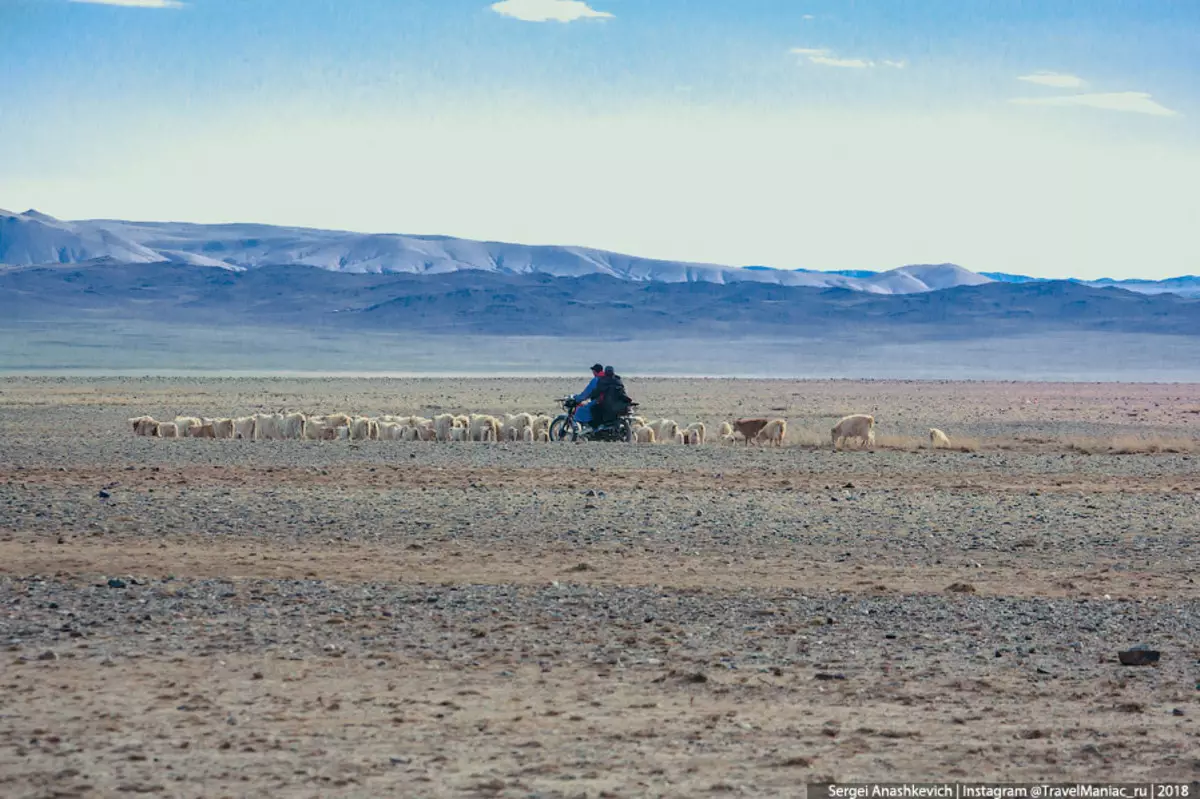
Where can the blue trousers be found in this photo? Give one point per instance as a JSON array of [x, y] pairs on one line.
[[583, 414]]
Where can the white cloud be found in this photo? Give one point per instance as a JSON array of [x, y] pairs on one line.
[[808, 16], [135, 3], [824, 57], [548, 10], [1129, 102], [1056, 79], [849, 63]]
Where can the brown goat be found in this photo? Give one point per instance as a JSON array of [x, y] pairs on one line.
[[750, 428]]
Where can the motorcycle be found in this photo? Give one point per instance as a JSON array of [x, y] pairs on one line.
[[566, 428]]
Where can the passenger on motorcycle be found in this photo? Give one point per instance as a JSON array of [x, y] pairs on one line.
[[608, 397], [583, 414]]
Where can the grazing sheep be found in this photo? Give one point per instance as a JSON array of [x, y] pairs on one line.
[[427, 431], [315, 427], [729, 438], [516, 424], [462, 420], [541, 427], [168, 430], [360, 428], [860, 426], [750, 428], [458, 433], [643, 435], [336, 420], [293, 426], [342, 432], [201, 431], [638, 421], [725, 430], [774, 432], [665, 430], [185, 423], [442, 424], [243, 428], [268, 426], [937, 438], [144, 426], [484, 428], [389, 431], [697, 431], [223, 428]]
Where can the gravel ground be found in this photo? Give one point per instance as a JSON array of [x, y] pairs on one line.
[[223, 618]]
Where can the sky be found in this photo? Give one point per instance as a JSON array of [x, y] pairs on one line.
[[1056, 139]]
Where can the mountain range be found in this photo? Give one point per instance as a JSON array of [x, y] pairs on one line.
[[33, 238]]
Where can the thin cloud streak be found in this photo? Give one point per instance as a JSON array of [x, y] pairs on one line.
[[548, 10], [1056, 80], [135, 3], [1127, 102], [824, 57]]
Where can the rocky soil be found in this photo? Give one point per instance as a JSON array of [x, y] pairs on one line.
[[225, 618]]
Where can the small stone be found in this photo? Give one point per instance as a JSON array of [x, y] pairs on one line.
[[103, 494], [113, 582], [1138, 656], [48, 655], [961, 588], [1177, 712], [823, 675]]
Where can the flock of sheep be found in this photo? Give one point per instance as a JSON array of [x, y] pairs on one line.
[[482, 427]]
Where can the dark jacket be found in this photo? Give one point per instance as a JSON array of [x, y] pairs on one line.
[[609, 396]]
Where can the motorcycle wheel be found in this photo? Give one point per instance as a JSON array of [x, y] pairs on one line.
[[625, 431], [564, 429]]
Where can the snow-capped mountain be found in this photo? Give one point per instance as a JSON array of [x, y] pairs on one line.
[[35, 238]]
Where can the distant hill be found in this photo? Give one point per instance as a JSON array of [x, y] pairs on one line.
[[32, 238], [595, 305]]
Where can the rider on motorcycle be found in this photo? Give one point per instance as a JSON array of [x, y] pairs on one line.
[[583, 414], [608, 398]]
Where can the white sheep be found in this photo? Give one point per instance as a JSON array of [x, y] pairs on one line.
[[292, 426], [774, 432], [144, 426], [168, 430], [484, 428], [643, 435], [360, 428], [665, 430], [859, 426], [243, 427], [223, 428], [937, 438], [443, 423], [696, 432], [185, 423]]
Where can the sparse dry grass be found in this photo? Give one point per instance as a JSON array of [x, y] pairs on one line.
[[1132, 445]]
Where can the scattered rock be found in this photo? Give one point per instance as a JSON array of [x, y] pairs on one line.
[[103, 494], [1138, 657], [48, 655], [824, 675], [114, 582], [961, 588]]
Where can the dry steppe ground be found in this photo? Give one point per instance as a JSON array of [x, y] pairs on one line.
[[326, 619]]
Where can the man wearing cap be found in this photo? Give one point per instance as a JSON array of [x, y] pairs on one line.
[[583, 414]]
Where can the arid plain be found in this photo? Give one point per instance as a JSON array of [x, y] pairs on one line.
[[290, 618]]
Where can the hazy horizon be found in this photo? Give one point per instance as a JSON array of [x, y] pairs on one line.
[[1053, 141]]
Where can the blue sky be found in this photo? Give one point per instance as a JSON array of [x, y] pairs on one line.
[[1053, 138]]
